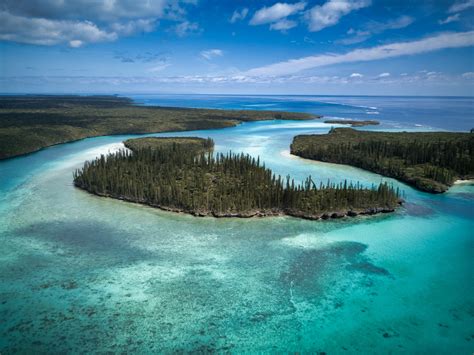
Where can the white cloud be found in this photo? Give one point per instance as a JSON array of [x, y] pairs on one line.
[[236, 79], [186, 28], [107, 10], [75, 43], [239, 15], [49, 32], [329, 14], [384, 75], [131, 27], [429, 44], [276, 12], [468, 75], [356, 75], [78, 22], [461, 6], [449, 19], [211, 53], [283, 25]]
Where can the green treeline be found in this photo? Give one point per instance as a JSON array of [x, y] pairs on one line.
[[430, 161], [29, 123], [172, 176]]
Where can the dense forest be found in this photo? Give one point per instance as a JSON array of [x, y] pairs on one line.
[[31, 122], [168, 174], [429, 161]]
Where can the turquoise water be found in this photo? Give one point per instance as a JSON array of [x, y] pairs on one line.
[[86, 274]]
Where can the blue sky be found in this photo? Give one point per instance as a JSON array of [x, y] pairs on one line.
[[350, 47]]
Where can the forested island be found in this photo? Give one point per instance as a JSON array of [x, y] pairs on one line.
[[354, 123], [429, 161], [29, 123], [183, 175]]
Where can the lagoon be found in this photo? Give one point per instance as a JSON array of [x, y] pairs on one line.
[[81, 273]]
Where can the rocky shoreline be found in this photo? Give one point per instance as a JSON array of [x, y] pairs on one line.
[[257, 213]]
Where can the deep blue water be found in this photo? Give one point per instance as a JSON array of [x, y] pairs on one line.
[[427, 113], [83, 274]]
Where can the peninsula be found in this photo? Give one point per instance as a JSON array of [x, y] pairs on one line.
[[30, 123], [428, 161], [183, 175]]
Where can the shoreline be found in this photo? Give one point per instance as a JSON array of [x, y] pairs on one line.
[[370, 211], [464, 182], [121, 116], [421, 174]]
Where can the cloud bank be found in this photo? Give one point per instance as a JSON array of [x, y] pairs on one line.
[[429, 44], [78, 22]]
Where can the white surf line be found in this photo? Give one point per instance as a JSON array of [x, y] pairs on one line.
[[464, 182]]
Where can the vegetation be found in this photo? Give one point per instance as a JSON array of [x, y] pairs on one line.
[[354, 123], [429, 161], [29, 123], [193, 144], [182, 174]]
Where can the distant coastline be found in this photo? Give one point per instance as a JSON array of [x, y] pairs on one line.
[[354, 123], [32, 122]]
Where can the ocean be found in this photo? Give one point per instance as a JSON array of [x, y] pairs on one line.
[[81, 273]]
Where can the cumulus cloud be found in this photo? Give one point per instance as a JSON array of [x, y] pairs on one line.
[[461, 6], [131, 27], [468, 75], [449, 19], [276, 12], [356, 75], [211, 53], [91, 10], [49, 32], [75, 43], [429, 44], [78, 22], [239, 15], [329, 14], [384, 75], [283, 25]]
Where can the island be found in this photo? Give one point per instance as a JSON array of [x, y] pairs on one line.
[[428, 161], [29, 123], [354, 123], [182, 174]]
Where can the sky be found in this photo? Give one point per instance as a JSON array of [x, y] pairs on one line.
[[321, 47]]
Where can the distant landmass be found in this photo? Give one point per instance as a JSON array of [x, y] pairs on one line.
[[182, 175], [428, 161], [31, 122], [354, 123]]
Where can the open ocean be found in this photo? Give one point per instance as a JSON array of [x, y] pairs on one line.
[[83, 274]]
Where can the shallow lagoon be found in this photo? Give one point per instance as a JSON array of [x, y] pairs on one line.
[[81, 273]]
